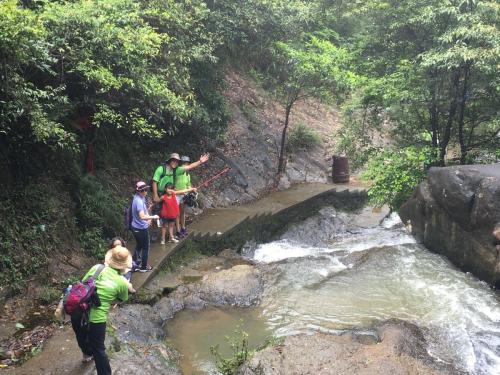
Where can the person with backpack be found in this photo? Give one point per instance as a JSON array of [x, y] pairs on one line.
[[182, 183], [164, 174], [90, 325], [141, 220]]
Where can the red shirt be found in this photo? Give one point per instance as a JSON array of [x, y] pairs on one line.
[[170, 207]]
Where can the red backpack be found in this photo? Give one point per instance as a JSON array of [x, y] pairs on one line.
[[80, 296]]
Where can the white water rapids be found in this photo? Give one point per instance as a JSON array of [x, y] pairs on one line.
[[379, 273]]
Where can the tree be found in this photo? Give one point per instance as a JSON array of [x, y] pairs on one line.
[[432, 72], [317, 68]]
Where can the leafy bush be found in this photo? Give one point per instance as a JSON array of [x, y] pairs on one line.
[[395, 174], [99, 207], [239, 347], [93, 243], [302, 138], [30, 220]]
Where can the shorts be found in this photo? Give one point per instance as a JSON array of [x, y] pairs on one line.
[[179, 198], [166, 220]]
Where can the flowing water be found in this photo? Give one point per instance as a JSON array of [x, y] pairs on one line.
[[354, 280]]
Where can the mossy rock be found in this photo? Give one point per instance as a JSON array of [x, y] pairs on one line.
[[145, 296]]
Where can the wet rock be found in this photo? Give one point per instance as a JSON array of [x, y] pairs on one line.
[[142, 360], [240, 285], [401, 350], [137, 323], [190, 276], [168, 306], [319, 229], [454, 212]]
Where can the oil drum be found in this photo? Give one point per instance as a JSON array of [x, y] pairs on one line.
[[340, 169]]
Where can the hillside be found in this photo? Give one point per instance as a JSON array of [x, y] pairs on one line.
[[249, 148]]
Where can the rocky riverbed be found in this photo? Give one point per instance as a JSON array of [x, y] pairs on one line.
[[346, 294]]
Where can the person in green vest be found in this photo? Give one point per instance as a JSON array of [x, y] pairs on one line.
[[110, 286], [182, 183], [164, 174]]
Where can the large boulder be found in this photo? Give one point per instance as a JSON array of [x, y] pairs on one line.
[[454, 213], [240, 285]]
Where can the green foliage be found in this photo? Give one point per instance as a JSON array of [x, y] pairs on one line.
[[93, 243], [99, 207], [30, 221], [395, 174], [429, 68], [99, 214], [238, 343], [311, 68], [302, 138], [49, 294]]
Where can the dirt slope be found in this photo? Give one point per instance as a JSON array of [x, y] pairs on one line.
[[252, 143]]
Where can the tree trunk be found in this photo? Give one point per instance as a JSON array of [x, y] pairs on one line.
[[451, 115], [434, 116], [281, 161], [461, 115]]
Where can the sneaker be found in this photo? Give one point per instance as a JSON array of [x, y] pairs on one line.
[[184, 232], [173, 240], [162, 241], [87, 358], [142, 270], [178, 235]]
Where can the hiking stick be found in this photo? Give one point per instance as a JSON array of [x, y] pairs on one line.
[[214, 177]]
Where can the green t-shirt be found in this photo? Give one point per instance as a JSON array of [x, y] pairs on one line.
[[182, 181], [168, 176], [111, 286]]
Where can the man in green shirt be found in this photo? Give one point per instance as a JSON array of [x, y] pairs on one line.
[[164, 174], [182, 182], [110, 286]]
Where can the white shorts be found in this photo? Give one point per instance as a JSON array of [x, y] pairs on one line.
[[179, 198]]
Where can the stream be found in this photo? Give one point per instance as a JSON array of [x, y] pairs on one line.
[[331, 278]]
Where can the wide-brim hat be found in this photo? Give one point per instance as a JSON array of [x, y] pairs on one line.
[[174, 156], [118, 258], [185, 159]]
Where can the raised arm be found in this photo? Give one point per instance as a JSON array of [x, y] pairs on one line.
[[203, 159]]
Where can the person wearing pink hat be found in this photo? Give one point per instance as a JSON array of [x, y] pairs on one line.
[[141, 219]]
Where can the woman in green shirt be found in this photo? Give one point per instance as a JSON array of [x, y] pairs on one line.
[[111, 286]]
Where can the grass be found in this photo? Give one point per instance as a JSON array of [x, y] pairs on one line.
[[302, 138]]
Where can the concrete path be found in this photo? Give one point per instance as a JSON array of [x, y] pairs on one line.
[[61, 355], [221, 220]]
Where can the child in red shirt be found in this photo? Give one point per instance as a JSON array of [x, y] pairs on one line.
[[170, 211]]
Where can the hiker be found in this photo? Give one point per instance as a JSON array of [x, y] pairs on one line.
[[170, 211], [165, 173], [140, 226], [182, 182], [110, 286], [118, 241]]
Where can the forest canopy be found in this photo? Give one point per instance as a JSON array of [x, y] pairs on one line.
[[422, 73]]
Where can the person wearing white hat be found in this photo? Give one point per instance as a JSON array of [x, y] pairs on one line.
[[110, 286], [141, 219]]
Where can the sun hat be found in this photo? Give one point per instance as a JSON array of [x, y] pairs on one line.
[[118, 258], [185, 159], [141, 185], [174, 156]]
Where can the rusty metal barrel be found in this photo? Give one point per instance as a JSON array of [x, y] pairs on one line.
[[340, 169]]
